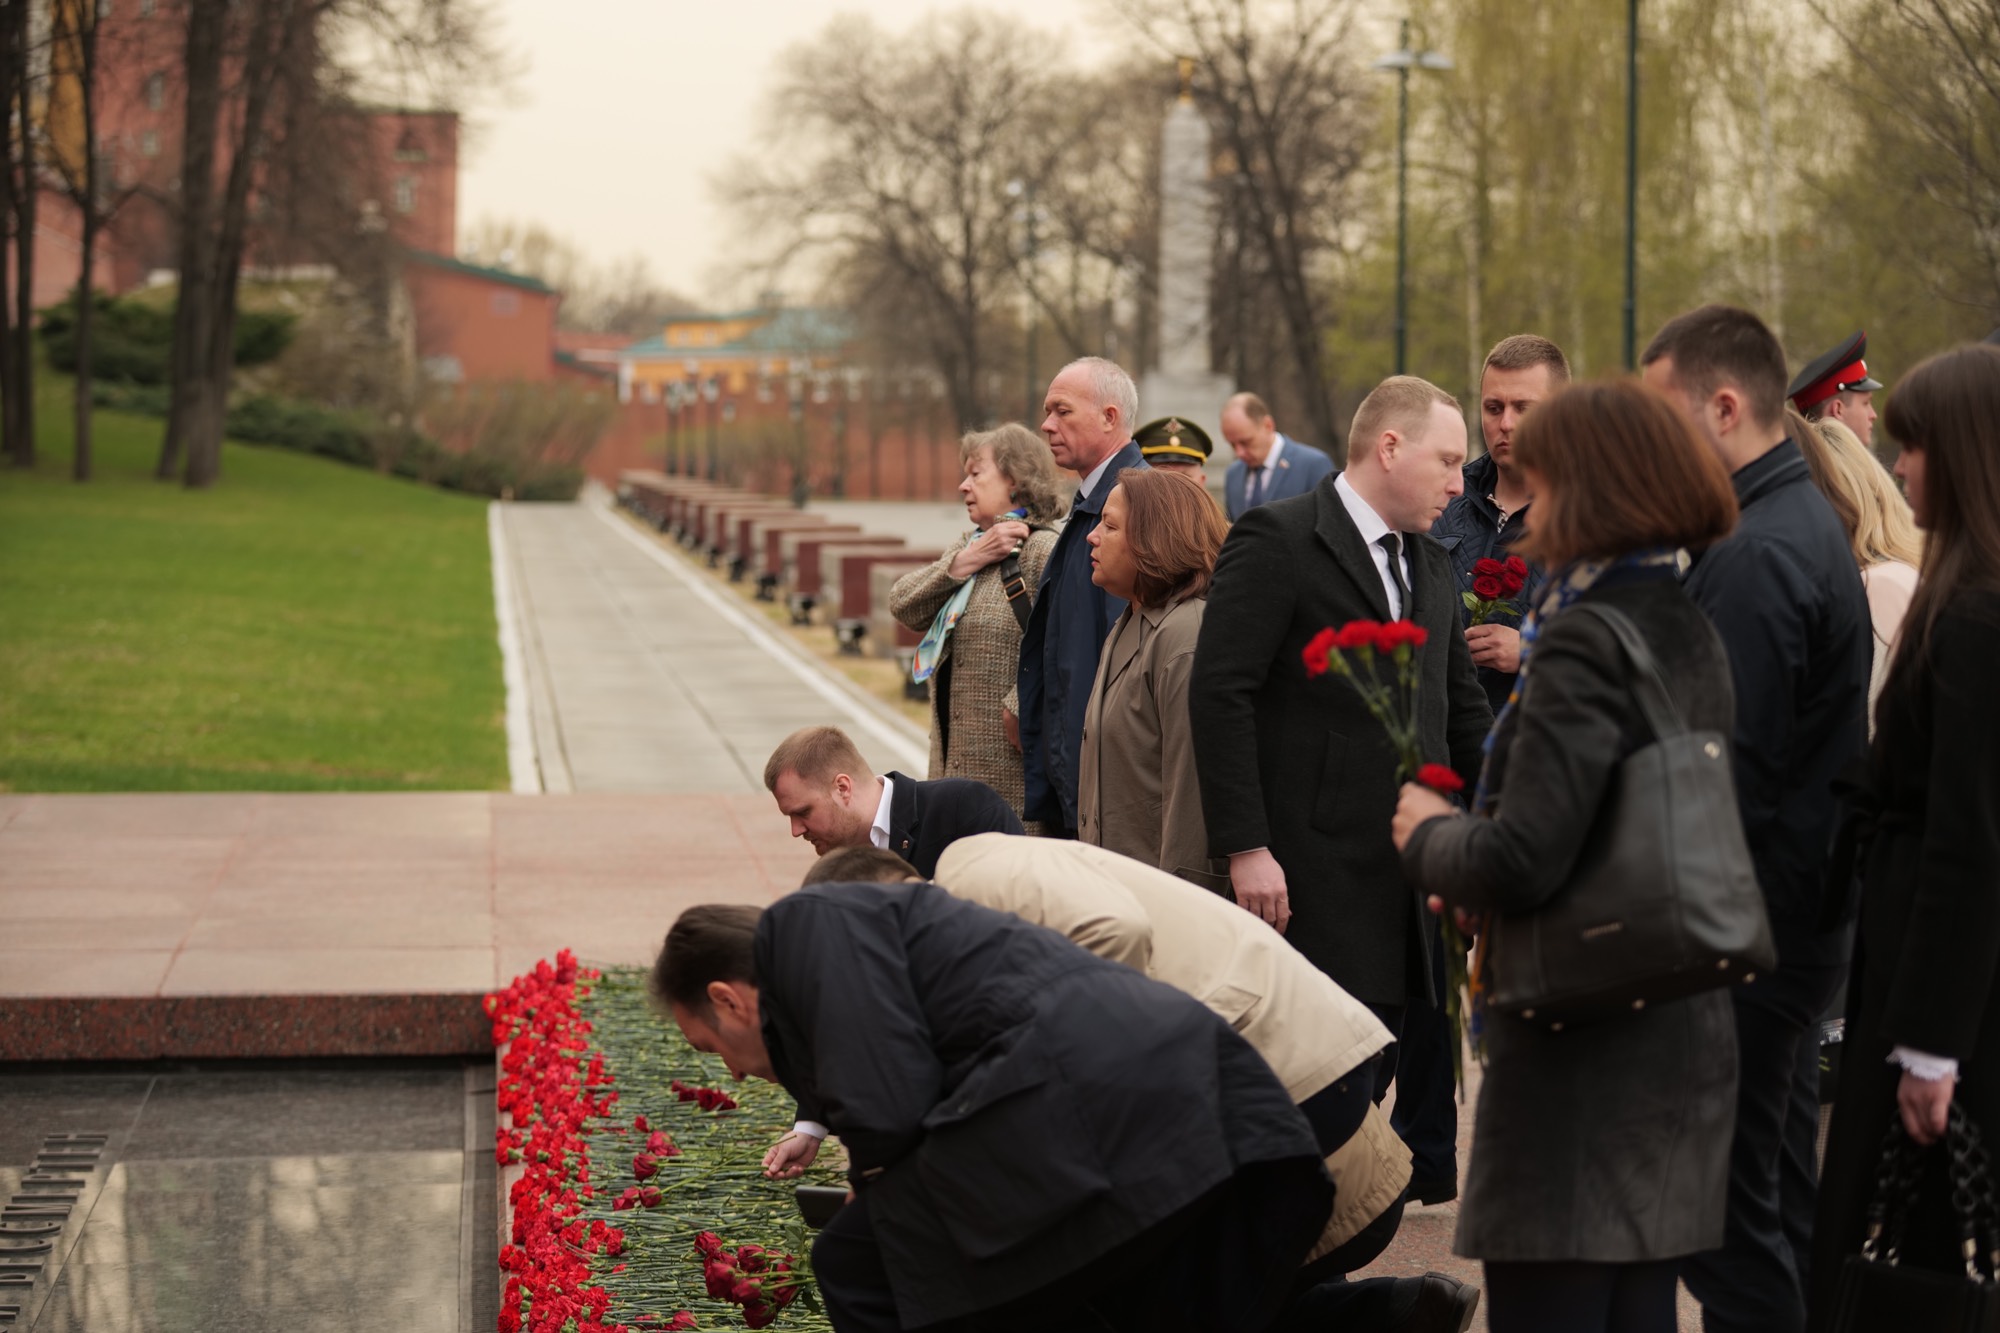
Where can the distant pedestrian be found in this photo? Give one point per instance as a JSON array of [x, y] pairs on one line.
[[1269, 465], [1924, 1004], [971, 605], [1880, 530], [1088, 423], [1297, 778], [1600, 1154], [1786, 597], [1154, 547]]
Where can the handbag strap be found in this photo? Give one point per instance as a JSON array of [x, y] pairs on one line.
[[1015, 585], [1650, 685], [1897, 1180]]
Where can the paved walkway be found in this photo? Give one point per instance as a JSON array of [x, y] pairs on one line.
[[643, 676]]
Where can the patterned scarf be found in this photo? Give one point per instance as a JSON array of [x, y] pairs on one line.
[[1564, 588], [931, 651]]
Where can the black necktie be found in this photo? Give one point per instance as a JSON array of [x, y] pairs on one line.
[[1393, 544], [1256, 488]]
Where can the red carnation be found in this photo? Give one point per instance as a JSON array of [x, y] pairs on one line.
[[1440, 778], [759, 1315], [1318, 650], [645, 1166], [708, 1244], [1397, 633], [650, 1197], [639, 1123], [1488, 588], [659, 1143], [1357, 634], [681, 1321]]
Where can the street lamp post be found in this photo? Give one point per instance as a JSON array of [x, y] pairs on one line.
[[1631, 311], [1403, 61], [710, 391]]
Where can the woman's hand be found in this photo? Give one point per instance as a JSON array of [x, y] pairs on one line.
[[1925, 1104], [994, 545], [1417, 805]]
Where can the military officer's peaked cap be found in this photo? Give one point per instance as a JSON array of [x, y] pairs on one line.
[[1173, 440], [1842, 370]]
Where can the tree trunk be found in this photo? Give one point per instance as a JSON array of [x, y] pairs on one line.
[[188, 383], [24, 247], [93, 222], [10, 386]]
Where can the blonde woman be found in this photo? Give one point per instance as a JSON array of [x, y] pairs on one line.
[[972, 630], [1880, 529]]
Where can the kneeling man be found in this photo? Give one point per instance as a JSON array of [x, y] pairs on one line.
[[1037, 1137]]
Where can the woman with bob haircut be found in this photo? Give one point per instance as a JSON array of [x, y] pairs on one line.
[[1923, 1000], [1600, 1155], [1155, 546], [960, 603]]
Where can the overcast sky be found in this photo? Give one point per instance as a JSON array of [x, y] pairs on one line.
[[626, 108]]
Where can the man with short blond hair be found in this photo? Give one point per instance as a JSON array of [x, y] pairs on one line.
[[1298, 780], [1269, 465]]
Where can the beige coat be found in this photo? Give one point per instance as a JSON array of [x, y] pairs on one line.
[[1137, 793], [984, 651], [1309, 1030]]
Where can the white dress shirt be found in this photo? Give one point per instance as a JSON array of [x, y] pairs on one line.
[[1088, 486], [1373, 529], [878, 832]]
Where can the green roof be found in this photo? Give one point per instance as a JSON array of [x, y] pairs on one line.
[[450, 265], [791, 329]]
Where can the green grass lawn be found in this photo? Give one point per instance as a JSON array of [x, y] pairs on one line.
[[302, 626]]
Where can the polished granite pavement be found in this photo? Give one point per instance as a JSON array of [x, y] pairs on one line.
[[233, 1197]]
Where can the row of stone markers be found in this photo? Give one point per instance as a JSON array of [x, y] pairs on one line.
[[823, 570]]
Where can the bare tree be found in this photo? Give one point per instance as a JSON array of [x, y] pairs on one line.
[[20, 178], [895, 175], [1293, 118]]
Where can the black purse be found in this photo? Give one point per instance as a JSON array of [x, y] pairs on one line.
[[1662, 902], [1878, 1292]]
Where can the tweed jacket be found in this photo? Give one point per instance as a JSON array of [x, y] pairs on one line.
[[1297, 764], [1309, 1030], [975, 678], [1137, 792]]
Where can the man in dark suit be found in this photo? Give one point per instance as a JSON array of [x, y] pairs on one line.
[[823, 785], [1269, 464], [1787, 600], [986, 1076], [1298, 781], [1088, 424]]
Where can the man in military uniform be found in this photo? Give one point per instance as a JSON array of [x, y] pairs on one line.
[[1173, 443], [1838, 386]]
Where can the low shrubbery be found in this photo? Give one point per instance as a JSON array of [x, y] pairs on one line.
[[130, 340], [500, 460]]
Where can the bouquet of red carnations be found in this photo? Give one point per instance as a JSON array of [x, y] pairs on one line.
[[1379, 661]]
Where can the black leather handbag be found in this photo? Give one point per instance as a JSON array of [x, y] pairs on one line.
[[1878, 1292], [1662, 902]]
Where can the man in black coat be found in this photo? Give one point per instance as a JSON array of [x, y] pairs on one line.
[[1786, 596], [824, 786], [1091, 407], [1036, 1137], [1298, 781]]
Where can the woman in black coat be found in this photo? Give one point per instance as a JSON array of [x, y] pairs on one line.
[[1923, 1021], [1600, 1155]]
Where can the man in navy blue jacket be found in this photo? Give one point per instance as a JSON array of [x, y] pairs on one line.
[[1088, 423], [1786, 597]]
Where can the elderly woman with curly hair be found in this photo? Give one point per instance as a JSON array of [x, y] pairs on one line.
[[972, 603]]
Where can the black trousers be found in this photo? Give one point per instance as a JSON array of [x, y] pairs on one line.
[[1223, 1264], [1426, 1114], [1756, 1282], [1581, 1298]]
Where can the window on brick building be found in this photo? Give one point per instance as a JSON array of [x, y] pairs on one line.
[[409, 148], [406, 194], [506, 303], [149, 143], [156, 91]]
